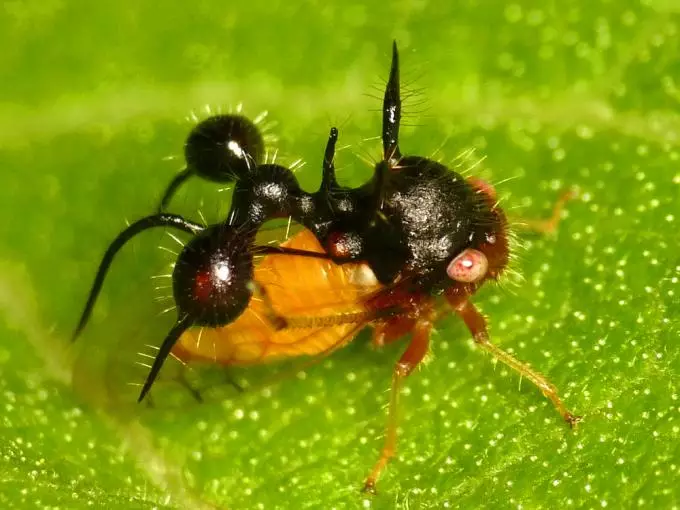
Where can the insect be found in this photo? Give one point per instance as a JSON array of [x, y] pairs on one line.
[[414, 242]]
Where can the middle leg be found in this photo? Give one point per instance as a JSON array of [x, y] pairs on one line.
[[414, 354]]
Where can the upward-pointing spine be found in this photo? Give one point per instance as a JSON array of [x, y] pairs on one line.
[[392, 111]]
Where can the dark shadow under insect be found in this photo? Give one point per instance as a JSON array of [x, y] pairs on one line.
[[426, 234]]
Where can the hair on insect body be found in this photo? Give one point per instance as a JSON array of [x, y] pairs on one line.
[[415, 241], [221, 147]]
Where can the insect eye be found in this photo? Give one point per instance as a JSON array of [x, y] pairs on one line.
[[224, 148], [469, 266]]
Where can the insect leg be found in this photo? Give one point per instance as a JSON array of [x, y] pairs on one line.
[[476, 323], [232, 382], [156, 220], [176, 182], [414, 354], [392, 329], [547, 226], [328, 321], [194, 392], [197, 392], [392, 111]]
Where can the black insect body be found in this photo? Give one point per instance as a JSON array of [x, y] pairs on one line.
[[420, 229], [222, 149]]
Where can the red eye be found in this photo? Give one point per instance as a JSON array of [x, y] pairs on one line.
[[470, 266]]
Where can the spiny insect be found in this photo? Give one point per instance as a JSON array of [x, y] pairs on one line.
[[414, 242]]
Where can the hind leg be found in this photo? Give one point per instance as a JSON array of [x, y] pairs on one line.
[[541, 226], [548, 225]]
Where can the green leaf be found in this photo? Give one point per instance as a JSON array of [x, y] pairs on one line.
[[554, 94]]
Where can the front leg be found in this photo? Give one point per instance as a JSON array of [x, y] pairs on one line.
[[476, 323]]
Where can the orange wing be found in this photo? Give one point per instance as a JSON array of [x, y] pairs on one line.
[[296, 287]]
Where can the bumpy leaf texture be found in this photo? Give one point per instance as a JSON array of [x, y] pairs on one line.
[[554, 94]]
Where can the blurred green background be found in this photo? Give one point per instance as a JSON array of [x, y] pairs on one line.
[[93, 98]]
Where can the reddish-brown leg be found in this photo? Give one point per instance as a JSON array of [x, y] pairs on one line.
[[391, 330], [476, 323], [549, 225], [414, 354]]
